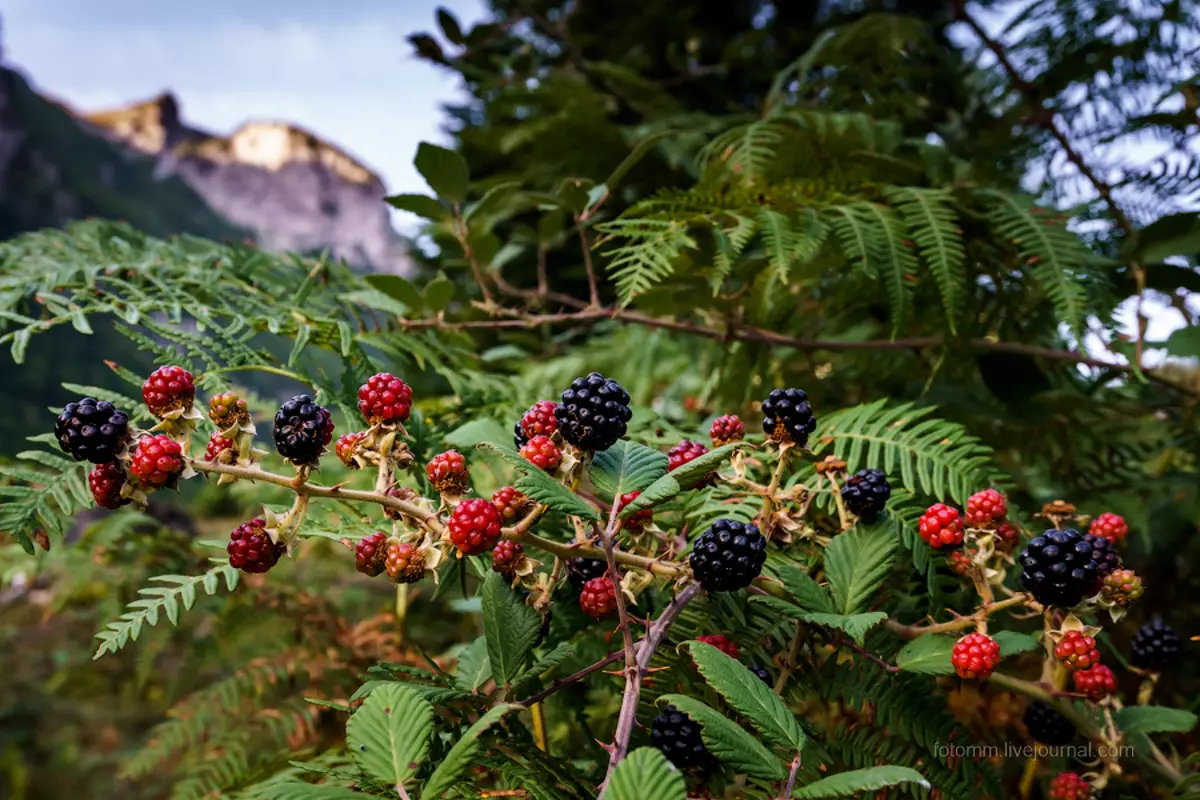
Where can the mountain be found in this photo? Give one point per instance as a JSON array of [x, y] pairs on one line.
[[273, 182]]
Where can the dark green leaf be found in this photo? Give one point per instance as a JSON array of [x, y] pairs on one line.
[[444, 170], [747, 694], [462, 755], [671, 484], [390, 735], [1012, 643], [398, 288], [449, 26], [1155, 719], [727, 741], [645, 774], [805, 591], [438, 293], [856, 625], [927, 655], [856, 563], [511, 628], [420, 204], [626, 467], [860, 782], [474, 667]]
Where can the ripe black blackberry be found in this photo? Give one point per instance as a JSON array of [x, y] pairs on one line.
[[762, 674], [1104, 556], [1057, 568], [728, 556], [866, 493], [92, 430], [593, 412], [582, 570], [787, 417], [1155, 645], [1046, 725], [677, 736], [302, 429]]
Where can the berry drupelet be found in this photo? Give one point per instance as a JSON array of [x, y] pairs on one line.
[[985, 509], [250, 547], [217, 444], [1070, 786], [1110, 526], [638, 520], [542, 453], [581, 570], [385, 398], [92, 430], [598, 597], [721, 642], [1076, 651], [727, 430], [1155, 645], [866, 493], [511, 504], [1097, 683], [169, 389], [728, 556], [345, 446], [370, 554], [474, 526], [505, 557], [975, 655], [227, 410], [1057, 568], [302, 429], [105, 481], [941, 527], [156, 460], [448, 472], [539, 420], [404, 563], [677, 736], [787, 416], [1047, 726], [593, 413]]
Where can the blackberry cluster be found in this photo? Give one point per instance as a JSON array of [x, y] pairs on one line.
[[1104, 555], [1155, 645], [227, 409], [1057, 568], [637, 521], [986, 508], [510, 503], [1076, 651], [542, 453], [593, 413], [1122, 587], [598, 597], [370, 554], [787, 416], [975, 656], [1070, 786], [400, 493], [539, 420], [156, 461], [385, 398], [169, 389], [106, 481], [677, 736], [726, 430], [302, 429], [505, 556], [217, 444], [1110, 526], [1097, 683], [728, 556], [1046, 725], [448, 472], [404, 563], [581, 570], [92, 430], [474, 526], [866, 493], [250, 548]]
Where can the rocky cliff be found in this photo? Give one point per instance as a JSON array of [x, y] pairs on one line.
[[292, 190]]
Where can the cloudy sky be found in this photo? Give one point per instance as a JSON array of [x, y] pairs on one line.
[[341, 69]]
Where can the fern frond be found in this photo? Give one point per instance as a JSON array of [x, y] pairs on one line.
[[730, 242], [931, 219], [746, 150], [788, 243], [44, 499], [144, 612], [649, 256]]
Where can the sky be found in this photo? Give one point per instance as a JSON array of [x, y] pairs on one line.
[[342, 69]]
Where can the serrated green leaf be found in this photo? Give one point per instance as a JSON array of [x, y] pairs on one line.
[[474, 668], [390, 735], [860, 781], [743, 690], [645, 774], [1012, 643], [671, 484], [462, 755], [927, 655], [1155, 719], [805, 591], [444, 170], [626, 467], [539, 486], [398, 288], [511, 628], [472, 434], [548, 661], [856, 563], [307, 791], [856, 625], [492, 200], [727, 741]]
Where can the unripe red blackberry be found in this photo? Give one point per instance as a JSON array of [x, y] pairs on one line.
[[169, 389], [404, 563], [1122, 587], [539, 420], [728, 556], [787, 416], [1076, 651], [941, 527], [1070, 786], [400, 493], [370, 554], [385, 398], [302, 429], [985, 509], [1109, 526], [217, 444], [227, 410], [156, 460], [474, 526], [1046, 725], [250, 547], [1006, 537], [105, 481], [92, 430], [638, 520], [593, 413], [677, 736], [685, 452], [1097, 683], [542, 453], [721, 642], [511, 504], [975, 655], [505, 556], [581, 570], [960, 563], [727, 430], [448, 472], [345, 446], [598, 597]]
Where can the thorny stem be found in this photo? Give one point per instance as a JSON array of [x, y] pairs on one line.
[[607, 539], [633, 682], [791, 780], [913, 631], [772, 489]]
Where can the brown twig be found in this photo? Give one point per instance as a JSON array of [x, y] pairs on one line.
[[913, 631], [593, 289], [578, 676]]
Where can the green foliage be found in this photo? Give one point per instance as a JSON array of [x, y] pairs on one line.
[[646, 775], [388, 737], [851, 784]]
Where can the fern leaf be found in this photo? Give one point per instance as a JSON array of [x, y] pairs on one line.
[[746, 151], [648, 257], [931, 220]]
